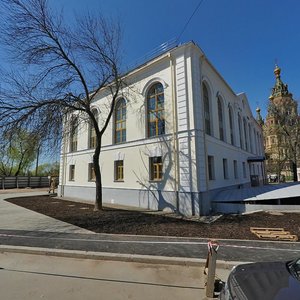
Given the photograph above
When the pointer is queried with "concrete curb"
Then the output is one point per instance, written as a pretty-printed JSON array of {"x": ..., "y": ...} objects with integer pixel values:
[{"x": 150, "y": 259}]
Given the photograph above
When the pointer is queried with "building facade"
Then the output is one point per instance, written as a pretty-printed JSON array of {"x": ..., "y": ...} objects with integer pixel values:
[{"x": 179, "y": 135}]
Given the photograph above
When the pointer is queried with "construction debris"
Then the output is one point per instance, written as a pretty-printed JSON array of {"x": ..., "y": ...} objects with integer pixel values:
[{"x": 278, "y": 234}]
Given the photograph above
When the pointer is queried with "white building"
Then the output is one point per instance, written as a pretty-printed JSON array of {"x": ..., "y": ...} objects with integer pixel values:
[{"x": 179, "y": 135}]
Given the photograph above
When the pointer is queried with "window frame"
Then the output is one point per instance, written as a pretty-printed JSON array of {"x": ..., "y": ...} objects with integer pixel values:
[
  {"x": 231, "y": 125},
  {"x": 120, "y": 116},
  {"x": 225, "y": 168},
  {"x": 119, "y": 170},
  {"x": 206, "y": 110},
  {"x": 240, "y": 125},
  {"x": 211, "y": 167},
  {"x": 156, "y": 168},
  {"x": 72, "y": 172},
  {"x": 245, "y": 134},
  {"x": 73, "y": 134},
  {"x": 244, "y": 169},
  {"x": 91, "y": 173},
  {"x": 221, "y": 119},
  {"x": 92, "y": 131},
  {"x": 235, "y": 169},
  {"x": 156, "y": 116}
]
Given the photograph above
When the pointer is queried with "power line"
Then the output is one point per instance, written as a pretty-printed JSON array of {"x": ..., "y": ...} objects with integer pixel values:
[{"x": 187, "y": 23}]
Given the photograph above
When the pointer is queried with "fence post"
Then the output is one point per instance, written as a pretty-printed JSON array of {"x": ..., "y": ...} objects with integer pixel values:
[{"x": 211, "y": 262}]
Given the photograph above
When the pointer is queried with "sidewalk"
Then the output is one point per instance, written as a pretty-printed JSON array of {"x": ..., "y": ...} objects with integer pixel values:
[{"x": 14, "y": 217}]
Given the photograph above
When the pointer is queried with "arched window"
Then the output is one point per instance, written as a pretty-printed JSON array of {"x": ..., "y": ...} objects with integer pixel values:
[
  {"x": 231, "y": 126},
  {"x": 92, "y": 131},
  {"x": 245, "y": 134},
  {"x": 250, "y": 138},
  {"x": 156, "y": 110},
  {"x": 73, "y": 133},
  {"x": 120, "y": 121},
  {"x": 206, "y": 110},
  {"x": 221, "y": 120},
  {"x": 240, "y": 131}
]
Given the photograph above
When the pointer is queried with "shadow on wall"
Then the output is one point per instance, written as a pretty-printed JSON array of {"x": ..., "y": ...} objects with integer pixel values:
[
  {"x": 154, "y": 191},
  {"x": 164, "y": 195}
]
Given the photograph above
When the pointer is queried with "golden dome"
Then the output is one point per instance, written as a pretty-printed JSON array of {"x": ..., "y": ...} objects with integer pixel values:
[{"x": 277, "y": 71}]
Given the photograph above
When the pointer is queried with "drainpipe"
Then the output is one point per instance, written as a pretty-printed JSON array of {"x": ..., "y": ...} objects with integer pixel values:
[
  {"x": 175, "y": 133},
  {"x": 202, "y": 58},
  {"x": 63, "y": 173}
]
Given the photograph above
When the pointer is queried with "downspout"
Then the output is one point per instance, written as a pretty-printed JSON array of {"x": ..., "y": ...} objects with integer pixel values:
[
  {"x": 202, "y": 58},
  {"x": 63, "y": 173},
  {"x": 174, "y": 134}
]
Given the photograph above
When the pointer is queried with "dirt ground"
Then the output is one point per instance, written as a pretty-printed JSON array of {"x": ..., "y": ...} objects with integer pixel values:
[{"x": 123, "y": 221}]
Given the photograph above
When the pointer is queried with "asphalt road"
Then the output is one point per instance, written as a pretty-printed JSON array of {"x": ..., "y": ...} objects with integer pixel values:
[
  {"x": 33, "y": 277},
  {"x": 229, "y": 250}
]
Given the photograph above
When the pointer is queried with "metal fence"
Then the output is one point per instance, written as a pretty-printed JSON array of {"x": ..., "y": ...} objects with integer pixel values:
[{"x": 11, "y": 182}]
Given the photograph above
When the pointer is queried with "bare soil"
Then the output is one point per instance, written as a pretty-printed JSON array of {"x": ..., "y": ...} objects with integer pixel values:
[{"x": 122, "y": 221}]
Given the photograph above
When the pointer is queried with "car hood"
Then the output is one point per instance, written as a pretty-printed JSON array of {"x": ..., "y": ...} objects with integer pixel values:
[{"x": 267, "y": 281}]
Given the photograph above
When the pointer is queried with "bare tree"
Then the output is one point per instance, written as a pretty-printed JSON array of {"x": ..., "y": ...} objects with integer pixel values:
[{"x": 61, "y": 69}]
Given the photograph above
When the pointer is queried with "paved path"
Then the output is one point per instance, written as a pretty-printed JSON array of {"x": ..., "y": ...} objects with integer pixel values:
[
  {"x": 22, "y": 227},
  {"x": 14, "y": 217}
]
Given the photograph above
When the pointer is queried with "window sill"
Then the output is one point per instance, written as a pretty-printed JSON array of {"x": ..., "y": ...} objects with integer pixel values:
[
  {"x": 119, "y": 143},
  {"x": 118, "y": 180}
]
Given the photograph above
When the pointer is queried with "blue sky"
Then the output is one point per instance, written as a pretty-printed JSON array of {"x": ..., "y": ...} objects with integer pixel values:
[{"x": 242, "y": 38}]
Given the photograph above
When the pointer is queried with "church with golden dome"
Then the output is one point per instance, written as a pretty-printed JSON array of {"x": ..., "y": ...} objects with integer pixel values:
[{"x": 281, "y": 133}]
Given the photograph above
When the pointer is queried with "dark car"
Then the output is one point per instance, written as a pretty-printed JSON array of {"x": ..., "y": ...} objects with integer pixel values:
[{"x": 264, "y": 281}]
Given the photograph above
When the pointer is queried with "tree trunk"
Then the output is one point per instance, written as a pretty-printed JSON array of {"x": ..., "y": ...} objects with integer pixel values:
[
  {"x": 96, "y": 159},
  {"x": 294, "y": 170}
]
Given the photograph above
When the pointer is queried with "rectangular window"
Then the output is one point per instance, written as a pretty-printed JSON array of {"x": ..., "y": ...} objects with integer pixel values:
[
  {"x": 156, "y": 168},
  {"x": 244, "y": 170},
  {"x": 119, "y": 170},
  {"x": 235, "y": 169},
  {"x": 211, "y": 168},
  {"x": 225, "y": 168},
  {"x": 72, "y": 172},
  {"x": 92, "y": 176}
]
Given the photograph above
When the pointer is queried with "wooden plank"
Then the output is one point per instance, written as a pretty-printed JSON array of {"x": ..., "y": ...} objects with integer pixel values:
[
  {"x": 273, "y": 234},
  {"x": 266, "y": 228},
  {"x": 279, "y": 237}
]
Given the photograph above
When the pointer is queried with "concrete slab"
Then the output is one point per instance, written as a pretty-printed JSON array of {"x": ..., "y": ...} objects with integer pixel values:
[{"x": 265, "y": 192}]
